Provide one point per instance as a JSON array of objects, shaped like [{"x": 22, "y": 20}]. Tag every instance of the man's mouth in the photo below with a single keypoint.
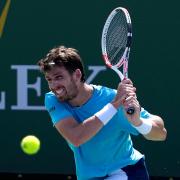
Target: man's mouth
[{"x": 59, "y": 92}]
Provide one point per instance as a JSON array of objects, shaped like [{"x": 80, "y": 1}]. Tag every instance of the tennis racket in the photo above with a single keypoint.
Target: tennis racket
[{"x": 116, "y": 42}]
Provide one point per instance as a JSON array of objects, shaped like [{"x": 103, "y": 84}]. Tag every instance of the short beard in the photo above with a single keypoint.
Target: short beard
[{"x": 70, "y": 97}]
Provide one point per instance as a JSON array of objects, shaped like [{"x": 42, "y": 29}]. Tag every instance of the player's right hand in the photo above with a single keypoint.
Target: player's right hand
[{"x": 124, "y": 90}]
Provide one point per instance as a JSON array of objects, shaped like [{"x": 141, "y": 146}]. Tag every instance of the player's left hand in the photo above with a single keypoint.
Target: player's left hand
[{"x": 131, "y": 101}]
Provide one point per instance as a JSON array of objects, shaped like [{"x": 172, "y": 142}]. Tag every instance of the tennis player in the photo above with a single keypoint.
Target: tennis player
[{"x": 94, "y": 122}]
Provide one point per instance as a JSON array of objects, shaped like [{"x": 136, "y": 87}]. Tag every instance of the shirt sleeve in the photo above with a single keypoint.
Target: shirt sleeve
[
  {"x": 56, "y": 109},
  {"x": 145, "y": 114}
]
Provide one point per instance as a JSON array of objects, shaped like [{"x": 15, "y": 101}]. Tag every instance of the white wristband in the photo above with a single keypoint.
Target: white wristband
[
  {"x": 106, "y": 113},
  {"x": 145, "y": 127}
]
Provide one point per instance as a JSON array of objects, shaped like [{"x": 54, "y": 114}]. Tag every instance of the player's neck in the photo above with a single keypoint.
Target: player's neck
[{"x": 84, "y": 94}]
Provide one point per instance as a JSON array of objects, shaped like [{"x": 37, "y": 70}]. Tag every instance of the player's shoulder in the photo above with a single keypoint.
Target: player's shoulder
[
  {"x": 104, "y": 90},
  {"x": 50, "y": 97},
  {"x": 51, "y": 101}
]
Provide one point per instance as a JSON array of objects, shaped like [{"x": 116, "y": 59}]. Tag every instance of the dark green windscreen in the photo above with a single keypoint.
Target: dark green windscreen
[{"x": 28, "y": 29}]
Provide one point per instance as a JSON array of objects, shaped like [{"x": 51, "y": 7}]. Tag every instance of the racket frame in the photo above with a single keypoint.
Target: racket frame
[
  {"x": 125, "y": 57},
  {"x": 124, "y": 60}
]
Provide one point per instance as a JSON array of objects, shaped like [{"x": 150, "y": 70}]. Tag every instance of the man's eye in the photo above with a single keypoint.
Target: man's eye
[
  {"x": 59, "y": 77},
  {"x": 48, "y": 80}
]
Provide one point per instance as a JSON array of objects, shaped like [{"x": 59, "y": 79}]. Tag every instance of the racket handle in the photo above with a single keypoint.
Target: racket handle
[{"x": 130, "y": 110}]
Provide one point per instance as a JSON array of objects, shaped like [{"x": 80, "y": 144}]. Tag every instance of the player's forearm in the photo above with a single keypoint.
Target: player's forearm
[
  {"x": 86, "y": 130},
  {"x": 79, "y": 133},
  {"x": 158, "y": 131}
]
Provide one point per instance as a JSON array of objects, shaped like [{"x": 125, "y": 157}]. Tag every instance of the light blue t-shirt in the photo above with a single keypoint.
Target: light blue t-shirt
[{"x": 111, "y": 148}]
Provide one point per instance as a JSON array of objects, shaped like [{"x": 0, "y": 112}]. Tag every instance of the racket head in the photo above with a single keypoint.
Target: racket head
[{"x": 116, "y": 37}]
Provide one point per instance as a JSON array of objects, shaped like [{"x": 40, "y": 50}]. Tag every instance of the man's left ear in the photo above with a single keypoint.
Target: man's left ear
[{"x": 78, "y": 74}]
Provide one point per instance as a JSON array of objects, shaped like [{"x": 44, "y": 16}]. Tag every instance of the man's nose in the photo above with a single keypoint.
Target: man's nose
[{"x": 54, "y": 85}]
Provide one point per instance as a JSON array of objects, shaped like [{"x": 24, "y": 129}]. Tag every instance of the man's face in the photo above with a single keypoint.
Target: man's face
[{"x": 61, "y": 83}]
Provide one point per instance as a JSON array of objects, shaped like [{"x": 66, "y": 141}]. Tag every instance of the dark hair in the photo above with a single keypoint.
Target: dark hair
[{"x": 62, "y": 56}]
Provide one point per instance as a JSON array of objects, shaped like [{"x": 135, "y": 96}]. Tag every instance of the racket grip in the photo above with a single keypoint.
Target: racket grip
[{"x": 130, "y": 110}]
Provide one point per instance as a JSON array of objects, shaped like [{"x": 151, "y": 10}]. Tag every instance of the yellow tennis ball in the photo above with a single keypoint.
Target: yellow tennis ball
[{"x": 30, "y": 144}]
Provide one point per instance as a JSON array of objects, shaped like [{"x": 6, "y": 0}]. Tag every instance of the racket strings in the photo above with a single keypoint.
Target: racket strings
[{"x": 117, "y": 38}]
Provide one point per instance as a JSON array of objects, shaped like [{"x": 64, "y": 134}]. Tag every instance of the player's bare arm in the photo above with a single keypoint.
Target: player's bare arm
[
  {"x": 76, "y": 133},
  {"x": 157, "y": 131},
  {"x": 126, "y": 96}
]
